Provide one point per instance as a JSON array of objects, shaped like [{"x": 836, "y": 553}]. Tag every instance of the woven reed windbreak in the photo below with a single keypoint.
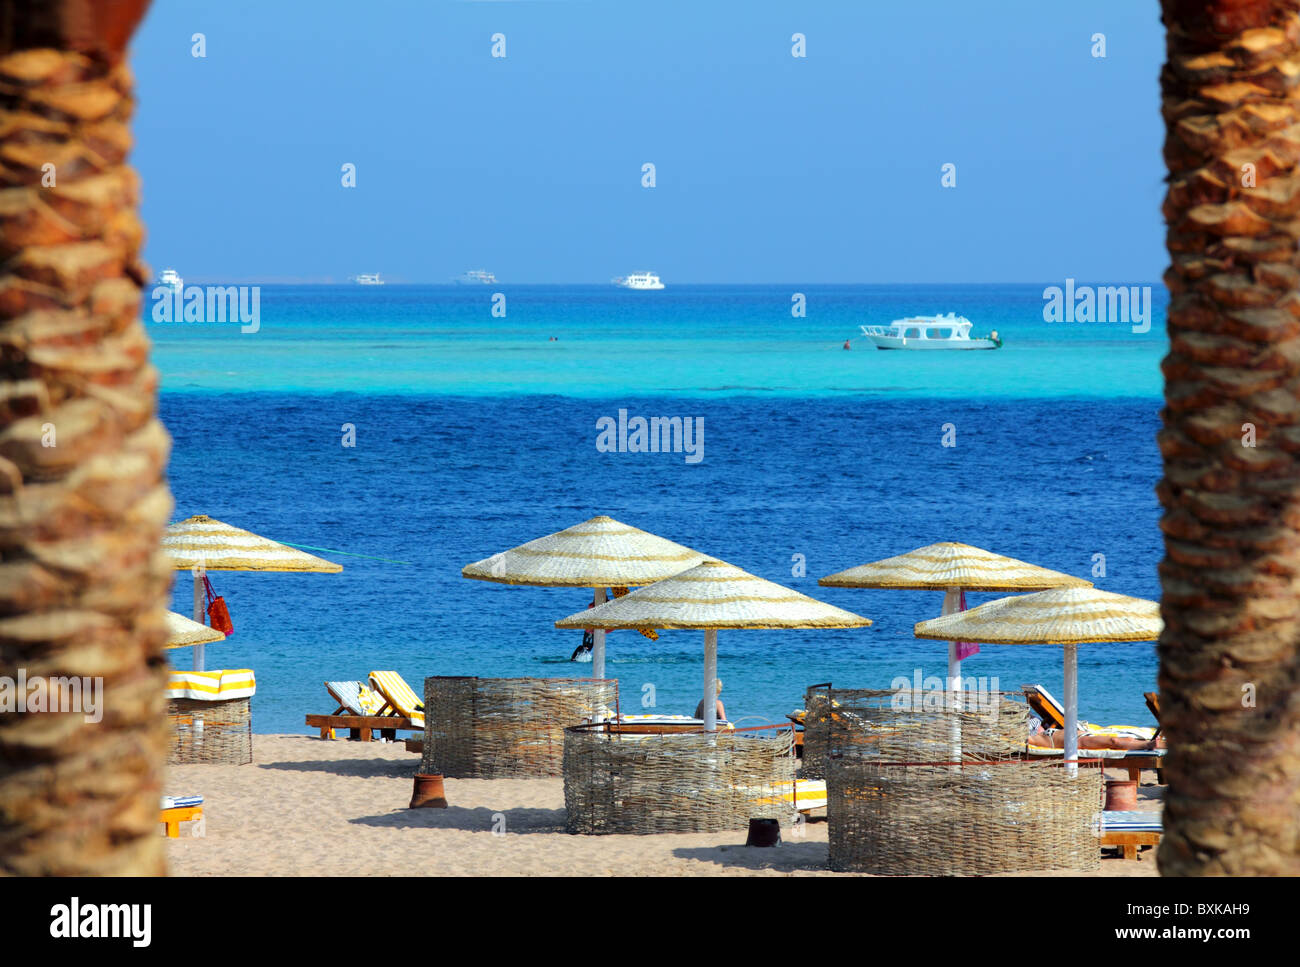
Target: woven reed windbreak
[
  {"x": 897, "y": 802},
  {"x": 225, "y": 735},
  {"x": 1001, "y": 816},
  {"x": 908, "y": 726},
  {"x": 486, "y": 728},
  {"x": 690, "y": 782}
]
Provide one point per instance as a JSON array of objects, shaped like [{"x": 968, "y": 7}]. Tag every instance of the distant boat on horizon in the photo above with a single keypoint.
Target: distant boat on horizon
[
  {"x": 171, "y": 278},
  {"x": 373, "y": 279},
  {"x": 477, "y": 277},
  {"x": 640, "y": 280}
]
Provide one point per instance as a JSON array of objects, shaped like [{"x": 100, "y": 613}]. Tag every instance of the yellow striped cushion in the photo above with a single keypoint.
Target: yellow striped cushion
[
  {"x": 371, "y": 701},
  {"x": 1126, "y": 731},
  {"x": 213, "y": 686},
  {"x": 399, "y": 695}
]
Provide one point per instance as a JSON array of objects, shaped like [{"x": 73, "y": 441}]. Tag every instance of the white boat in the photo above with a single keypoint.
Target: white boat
[
  {"x": 930, "y": 332},
  {"x": 172, "y": 279},
  {"x": 369, "y": 279},
  {"x": 640, "y": 280},
  {"x": 477, "y": 277}
]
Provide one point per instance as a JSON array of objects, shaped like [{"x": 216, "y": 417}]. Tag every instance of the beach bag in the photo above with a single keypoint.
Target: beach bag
[{"x": 218, "y": 613}]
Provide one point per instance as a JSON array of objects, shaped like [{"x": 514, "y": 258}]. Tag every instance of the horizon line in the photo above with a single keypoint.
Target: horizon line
[{"x": 208, "y": 280}]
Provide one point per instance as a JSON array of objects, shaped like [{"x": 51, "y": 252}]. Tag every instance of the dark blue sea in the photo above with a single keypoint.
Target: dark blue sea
[{"x": 437, "y": 481}]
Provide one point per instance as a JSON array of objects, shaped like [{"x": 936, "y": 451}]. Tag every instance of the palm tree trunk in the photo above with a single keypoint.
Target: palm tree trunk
[
  {"x": 1230, "y": 652},
  {"x": 83, "y": 499}
]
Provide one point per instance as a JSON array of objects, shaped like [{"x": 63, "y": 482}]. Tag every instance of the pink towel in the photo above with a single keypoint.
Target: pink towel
[{"x": 966, "y": 648}]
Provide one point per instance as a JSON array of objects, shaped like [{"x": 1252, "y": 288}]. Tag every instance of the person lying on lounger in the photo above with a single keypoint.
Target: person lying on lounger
[
  {"x": 1055, "y": 739},
  {"x": 722, "y": 712}
]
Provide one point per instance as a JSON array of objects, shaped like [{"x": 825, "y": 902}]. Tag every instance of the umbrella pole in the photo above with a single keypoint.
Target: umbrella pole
[
  {"x": 199, "y": 616},
  {"x": 598, "y": 640},
  {"x": 951, "y": 605},
  {"x": 1071, "y": 709},
  {"x": 711, "y": 680}
]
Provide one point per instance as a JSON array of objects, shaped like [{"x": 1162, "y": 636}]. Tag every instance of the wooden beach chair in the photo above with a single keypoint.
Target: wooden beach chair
[
  {"x": 1131, "y": 831},
  {"x": 1153, "y": 705},
  {"x": 179, "y": 809},
  {"x": 1047, "y": 708},
  {"x": 398, "y": 697},
  {"x": 361, "y": 712}
]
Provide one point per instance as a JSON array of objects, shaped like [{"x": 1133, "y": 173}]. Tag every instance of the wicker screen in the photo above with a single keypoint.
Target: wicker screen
[
  {"x": 203, "y": 731},
  {"x": 484, "y": 728},
  {"x": 676, "y": 782}
]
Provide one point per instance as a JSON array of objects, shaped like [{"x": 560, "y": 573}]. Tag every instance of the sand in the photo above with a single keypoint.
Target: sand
[{"x": 311, "y": 807}]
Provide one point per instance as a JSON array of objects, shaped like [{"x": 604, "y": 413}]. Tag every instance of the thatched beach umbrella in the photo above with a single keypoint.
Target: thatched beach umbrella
[
  {"x": 182, "y": 632},
  {"x": 952, "y": 568},
  {"x": 1062, "y": 616},
  {"x": 202, "y": 544},
  {"x": 599, "y": 553},
  {"x": 710, "y": 596}
]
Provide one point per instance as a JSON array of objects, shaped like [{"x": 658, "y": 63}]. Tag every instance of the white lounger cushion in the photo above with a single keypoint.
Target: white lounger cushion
[{"x": 1132, "y": 821}]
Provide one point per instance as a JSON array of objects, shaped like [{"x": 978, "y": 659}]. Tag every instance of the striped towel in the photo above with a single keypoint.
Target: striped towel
[
  {"x": 355, "y": 697},
  {"x": 181, "y": 802},
  {"x": 214, "y": 686},
  {"x": 1132, "y": 821},
  {"x": 347, "y": 694},
  {"x": 1103, "y": 753},
  {"x": 807, "y": 794},
  {"x": 1124, "y": 731},
  {"x": 398, "y": 694}
]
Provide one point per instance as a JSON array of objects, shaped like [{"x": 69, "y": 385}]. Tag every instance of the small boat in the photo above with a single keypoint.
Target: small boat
[
  {"x": 930, "y": 332},
  {"x": 373, "y": 279},
  {"x": 172, "y": 279},
  {"x": 477, "y": 277},
  {"x": 640, "y": 280}
]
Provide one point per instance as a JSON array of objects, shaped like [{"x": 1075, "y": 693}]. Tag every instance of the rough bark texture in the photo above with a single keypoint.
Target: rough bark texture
[
  {"x": 82, "y": 578},
  {"x": 1231, "y": 573}
]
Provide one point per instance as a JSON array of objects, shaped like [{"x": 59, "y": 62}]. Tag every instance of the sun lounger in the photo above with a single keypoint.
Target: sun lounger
[
  {"x": 398, "y": 696},
  {"x": 808, "y": 794},
  {"x": 1045, "y": 706},
  {"x": 1052, "y": 712},
  {"x": 661, "y": 724},
  {"x": 1130, "y": 831},
  {"x": 179, "y": 809},
  {"x": 361, "y": 711},
  {"x": 1134, "y": 760},
  {"x": 1153, "y": 705}
]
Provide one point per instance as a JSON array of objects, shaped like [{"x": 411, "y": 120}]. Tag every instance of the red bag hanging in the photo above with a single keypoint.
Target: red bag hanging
[{"x": 218, "y": 613}]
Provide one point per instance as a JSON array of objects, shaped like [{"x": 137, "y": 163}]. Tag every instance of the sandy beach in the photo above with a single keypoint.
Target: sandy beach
[{"x": 309, "y": 807}]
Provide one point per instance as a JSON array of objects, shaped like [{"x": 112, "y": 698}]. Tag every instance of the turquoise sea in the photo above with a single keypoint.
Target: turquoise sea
[{"x": 475, "y": 433}]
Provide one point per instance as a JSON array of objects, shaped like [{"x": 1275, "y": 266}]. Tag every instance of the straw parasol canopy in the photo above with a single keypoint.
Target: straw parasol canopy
[
  {"x": 203, "y": 544},
  {"x": 710, "y": 596},
  {"x": 1061, "y": 616},
  {"x": 1057, "y": 617},
  {"x": 220, "y": 547},
  {"x": 182, "y": 632},
  {"x": 599, "y": 553},
  {"x": 952, "y": 568},
  {"x": 948, "y": 565}
]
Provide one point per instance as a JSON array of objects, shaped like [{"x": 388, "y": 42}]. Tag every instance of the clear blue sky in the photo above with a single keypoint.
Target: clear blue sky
[{"x": 769, "y": 168}]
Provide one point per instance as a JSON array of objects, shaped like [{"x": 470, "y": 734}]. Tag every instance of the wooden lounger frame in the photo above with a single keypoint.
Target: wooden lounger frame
[
  {"x": 1131, "y": 842},
  {"x": 658, "y": 728},
  {"x": 172, "y": 818},
  {"x": 1044, "y": 709},
  {"x": 360, "y": 727},
  {"x": 1153, "y": 704}
]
